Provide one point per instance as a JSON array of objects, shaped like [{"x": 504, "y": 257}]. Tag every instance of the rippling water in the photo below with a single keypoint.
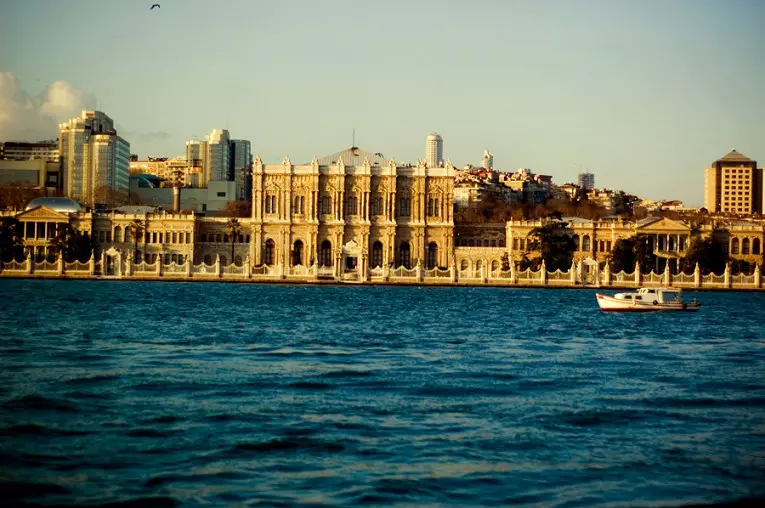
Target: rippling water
[{"x": 190, "y": 393}]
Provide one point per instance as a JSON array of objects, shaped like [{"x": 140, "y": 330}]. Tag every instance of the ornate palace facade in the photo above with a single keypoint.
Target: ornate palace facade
[{"x": 350, "y": 212}]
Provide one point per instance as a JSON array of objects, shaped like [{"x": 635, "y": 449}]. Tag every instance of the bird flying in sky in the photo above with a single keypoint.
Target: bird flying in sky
[{"x": 153, "y": 6}]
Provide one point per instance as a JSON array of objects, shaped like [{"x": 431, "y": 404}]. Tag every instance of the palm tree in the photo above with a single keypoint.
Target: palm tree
[
  {"x": 137, "y": 228},
  {"x": 233, "y": 228}
]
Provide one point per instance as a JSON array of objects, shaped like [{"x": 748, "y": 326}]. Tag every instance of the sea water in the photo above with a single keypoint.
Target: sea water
[{"x": 154, "y": 394}]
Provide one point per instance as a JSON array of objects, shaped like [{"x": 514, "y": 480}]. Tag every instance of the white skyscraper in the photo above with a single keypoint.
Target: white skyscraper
[
  {"x": 196, "y": 155},
  {"x": 586, "y": 180},
  {"x": 218, "y": 160},
  {"x": 94, "y": 160},
  {"x": 434, "y": 150},
  {"x": 487, "y": 162}
]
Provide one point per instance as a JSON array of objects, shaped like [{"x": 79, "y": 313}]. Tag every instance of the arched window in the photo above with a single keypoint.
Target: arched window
[
  {"x": 432, "y": 255},
  {"x": 270, "y": 203},
  {"x": 404, "y": 255},
  {"x": 478, "y": 267},
  {"x": 204, "y": 237},
  {"x": 223, "y": 261},
  {"x": 464, "y": 265},
  {"x": 404, "y": 208},
  {"x": 756, "y": 246},
  {"x": 117, "y": 234},
  {"x": 377, "y": 254},
  {"x": 268, "y": 258},
  {"x": 745, "y": 246},
  {"x": 501, "y": 243},
  {"x": 238, "y": 260},
  {"x": 515, "y": 244},
  {"x": 299, "y": 205},
  {"x": 734, "y": 246},
  {"x": 494, "y": 265},
  {"x": 586, "y": 243},
  {"x": 351, "y": 205},
  {"x": 325, "y": 205},
  {"x": 325, "y": 253},
  {"x": 431, "y": 208},
  {"x": 377, "y": 206},
  {"x": 485, "y": 243},
  {"x": 297, "y": 253},
  {"x": 218, "y": 238},
  {"x": 208, "y": 260}
]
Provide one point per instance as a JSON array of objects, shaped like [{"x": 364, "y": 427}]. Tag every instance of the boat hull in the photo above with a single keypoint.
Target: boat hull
[{"x": 611, "y": 304}]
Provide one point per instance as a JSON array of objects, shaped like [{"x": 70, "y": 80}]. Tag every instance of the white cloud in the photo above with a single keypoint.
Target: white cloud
[{"x": 25, "y": 118}]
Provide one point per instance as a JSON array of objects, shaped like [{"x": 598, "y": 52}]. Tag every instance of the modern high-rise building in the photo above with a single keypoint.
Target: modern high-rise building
[
  {"x": 586, "y": 180},
  {"x": 434, "y": 150},
  {"x": 94, "y": 159},
  {"x": 218, "y": 159},
  {"x": 241, "y": 164},
  {"x": 487, "y": 162},
  {"x": 22, "y": 151},
  {"x": 733, "y": 185},
  {"x": 196, "y": 155}
]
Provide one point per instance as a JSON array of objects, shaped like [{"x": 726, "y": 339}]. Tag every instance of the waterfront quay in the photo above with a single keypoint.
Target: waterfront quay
[{"x": 118, "y": 267}]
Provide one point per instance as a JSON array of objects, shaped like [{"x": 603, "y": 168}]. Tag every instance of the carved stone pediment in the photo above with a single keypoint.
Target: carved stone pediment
[
  {"x": 352, "y": 248},
  {"x": 664, "y": 225},
  {"x": 43, "y": 213}
]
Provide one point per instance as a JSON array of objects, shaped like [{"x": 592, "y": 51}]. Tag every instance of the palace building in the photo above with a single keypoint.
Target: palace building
[{"x": 350, "y": 212}]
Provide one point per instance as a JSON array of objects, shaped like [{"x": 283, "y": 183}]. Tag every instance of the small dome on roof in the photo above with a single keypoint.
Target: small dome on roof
[{"x": 57, "y": 204}]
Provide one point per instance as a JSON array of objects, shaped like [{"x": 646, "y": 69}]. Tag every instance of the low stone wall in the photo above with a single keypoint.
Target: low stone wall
[{"x": 574, "y": 278}]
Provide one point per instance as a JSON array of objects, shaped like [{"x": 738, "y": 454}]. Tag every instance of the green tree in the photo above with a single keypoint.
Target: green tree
[
  {"x": 71, "y": 244},
  {"x": 65, "y": 240},
  {"x": 137, "y": 228},
  {"x": 233, "y": 229},
  {"x": 10, "y": 237},
  {"x": 505, "y": 260},
  {"x": 709, "y": 253},
  {"x": 629, "y": 251},
  {"x": 555, "y": 243}
]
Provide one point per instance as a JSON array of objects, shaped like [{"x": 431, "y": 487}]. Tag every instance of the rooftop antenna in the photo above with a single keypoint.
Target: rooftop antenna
[{"x": 354, "y": 138}]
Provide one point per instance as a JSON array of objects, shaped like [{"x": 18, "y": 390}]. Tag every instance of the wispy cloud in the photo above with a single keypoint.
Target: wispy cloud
[
  {"x": 27, "y": 118},
  {"x": 142, "y": 136}
]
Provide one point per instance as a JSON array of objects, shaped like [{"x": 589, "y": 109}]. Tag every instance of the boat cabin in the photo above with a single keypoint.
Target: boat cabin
[{"x": 650, "y": 295}]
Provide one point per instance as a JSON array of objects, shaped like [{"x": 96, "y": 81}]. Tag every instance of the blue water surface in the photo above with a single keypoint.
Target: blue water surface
[{"x": 155, "y": 394}]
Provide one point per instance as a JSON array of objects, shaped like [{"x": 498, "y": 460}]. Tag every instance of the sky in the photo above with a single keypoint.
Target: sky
[{"x": 644, "y": 94}]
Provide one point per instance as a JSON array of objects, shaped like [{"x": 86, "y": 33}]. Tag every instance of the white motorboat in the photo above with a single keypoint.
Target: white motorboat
[{"x": 647, "y": 300}]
